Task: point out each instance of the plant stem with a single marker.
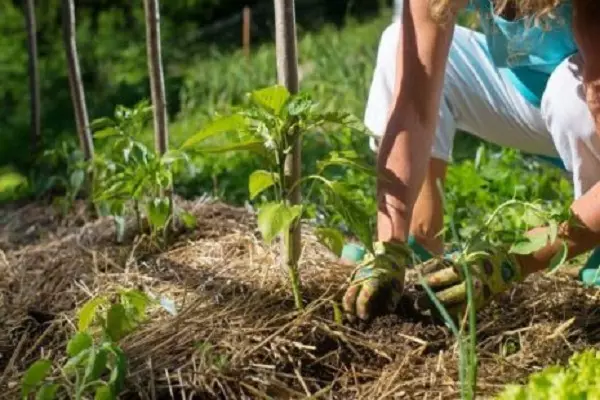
(467, 365)
(138, 217)
(293, 273)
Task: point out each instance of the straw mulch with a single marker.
(237, 335)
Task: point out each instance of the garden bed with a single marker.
(236, 333)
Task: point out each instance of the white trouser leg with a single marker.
(477, 98)
(571, 125)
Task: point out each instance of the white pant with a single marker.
(479, 99)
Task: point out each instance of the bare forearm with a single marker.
(404, 152)
(579, 237)
(402, 165)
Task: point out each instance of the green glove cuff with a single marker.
(388, 262)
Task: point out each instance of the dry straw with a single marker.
(237, 334)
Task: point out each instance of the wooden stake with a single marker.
(34, 77)
(75, 81)
(157, 88)
(155, 69)
(287, 72)
(246, 31)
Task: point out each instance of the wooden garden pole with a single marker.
(155, 69)
(246, 31)
(157, 88)
(75, 82)
(287, 72)
(34, 75)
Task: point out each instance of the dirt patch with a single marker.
(237, 335)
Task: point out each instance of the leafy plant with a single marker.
(64, 172)
(273, 120)
(580, 379)
(96, 364)
(114, 319)
(126, 172)
(12, 184)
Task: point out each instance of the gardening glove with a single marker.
(377, 283)
(493, 271)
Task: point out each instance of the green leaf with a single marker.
(530, 244)
(338, 316)
(106, 132)
(96, 365)
(101, 123)
(76, 180)
(104, 393)
(352, 162)
(259, 181)
(332, 239)
(559, 258)
(300, 105)
(117, 322)
(119, 372)
(340, 118)
(79, 342)
(158, 213)
(272, 98)
(274, 218)
(359, 221)
(221, 125)
(188, 219)
(35, 375)
(74, 363)
(87, 313)
(47, 392)
(253, 145)
(172, 156)
(138, 300)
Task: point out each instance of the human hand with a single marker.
(377, 284)
(492, 272)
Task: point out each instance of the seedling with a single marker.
(68, 171)
(268, 126)
(128, 172)
(96, 365)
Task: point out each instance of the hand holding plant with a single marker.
(492, 271)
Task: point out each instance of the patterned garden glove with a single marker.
(492, 271)
(377, 283)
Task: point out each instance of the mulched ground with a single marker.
(237, 335)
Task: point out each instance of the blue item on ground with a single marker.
(590, 273)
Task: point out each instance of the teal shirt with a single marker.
(527, 53)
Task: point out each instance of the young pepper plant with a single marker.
(273, 120)
(127, 171)
(96, 365)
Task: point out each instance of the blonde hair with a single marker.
(442, 10)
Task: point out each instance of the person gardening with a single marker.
(530, 80)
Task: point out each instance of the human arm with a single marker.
(405, 147)
(403, 154)
(579, 234)
(586, 234)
